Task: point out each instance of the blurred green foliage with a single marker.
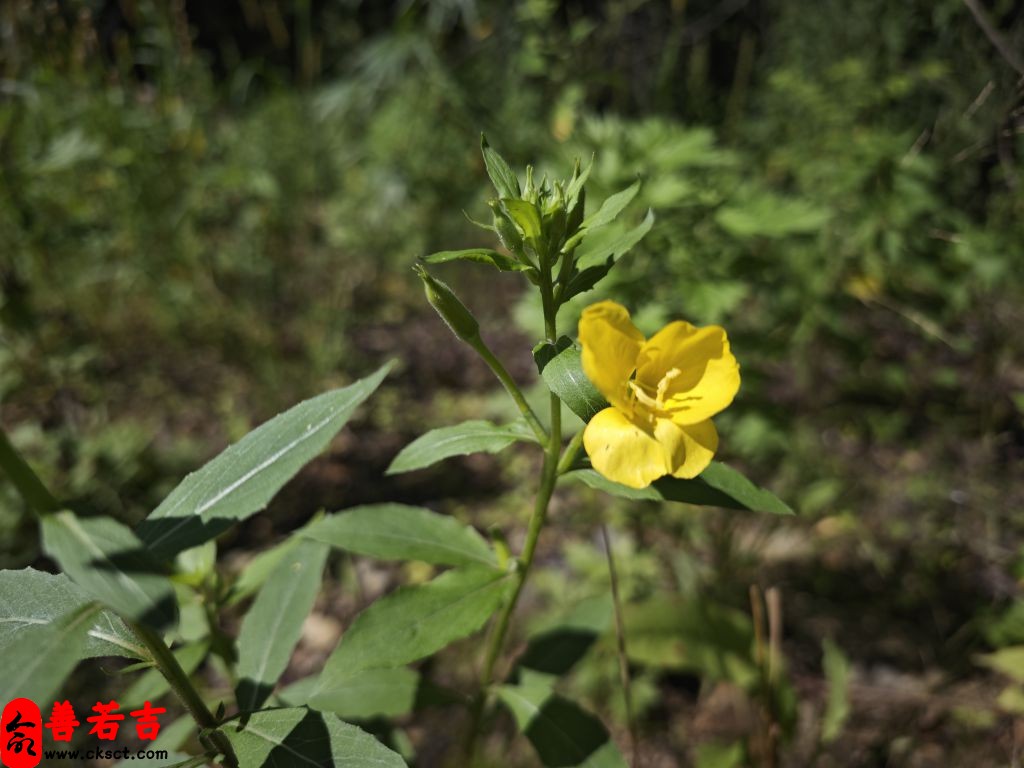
(207, 214)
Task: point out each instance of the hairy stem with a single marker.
(511, 387)
(169, 667)
(549, 478)
(620, 636)
(39, 498)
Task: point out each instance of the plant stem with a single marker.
(31, 488)
(570, 453)
(549, 478)
(511, 387)
(164, 660)
(620, 636)
(41, 501)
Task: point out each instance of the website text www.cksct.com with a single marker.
(103, 753)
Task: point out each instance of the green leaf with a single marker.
(717, 486)
(467, 437)
(273, 625)
(40, 658)
(837, 674)
(581, 282)
(258, 570)
(414, 622)
(561, 368)
(612, 207)
(525, 216)
(579, 179)
(556, 647)
(241, 480)
(480, 255)
(172, 760)
(297, 736)
(717, 755)
(31, 598)
(1009, 661)
(151, 685)
(400, 532)
(597, 247)
(561, 732)
(109, 562)
(370, 693)
(502, 176)
(695, 635)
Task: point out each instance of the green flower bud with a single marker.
(448, 306)
(507, 232)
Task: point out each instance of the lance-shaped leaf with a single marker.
(556, 646)
(367, 694)
(604, 215)
(241, 480)
(273, 625)
(459, 440)
(39, 659)
(414, 622)
(502, 176)
(597, 247)
(612, 207)
(298, 737)
(717, 486)
(31, 598)
(482, 256)
(109, 562)
(560, 731)
(562, 370)
(400, 532)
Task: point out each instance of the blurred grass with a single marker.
(207, 215)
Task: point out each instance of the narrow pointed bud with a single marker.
(448, 306)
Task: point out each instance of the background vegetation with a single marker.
(209, 211)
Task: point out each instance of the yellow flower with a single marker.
(663, 392)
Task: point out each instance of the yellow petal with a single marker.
(692, 370)
(623, 451)
(689, 449)
(611, 344)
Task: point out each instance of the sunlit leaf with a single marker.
(414, 622)
(502, 176)
(480, 255)
(241, 480)
(717, 486)
(560, 731)
(400, 532)
(273, 625)
(40, 657)
(611, 243)
(31, 598)
(370, 693)
(108, 561)
(458, 440)
(560, 367)
(297, 737)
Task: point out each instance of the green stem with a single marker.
(511, 387)
(31, 488)
(169, 667)
(42, 502)
(620, 637)
(549, 478)
(571, 452)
